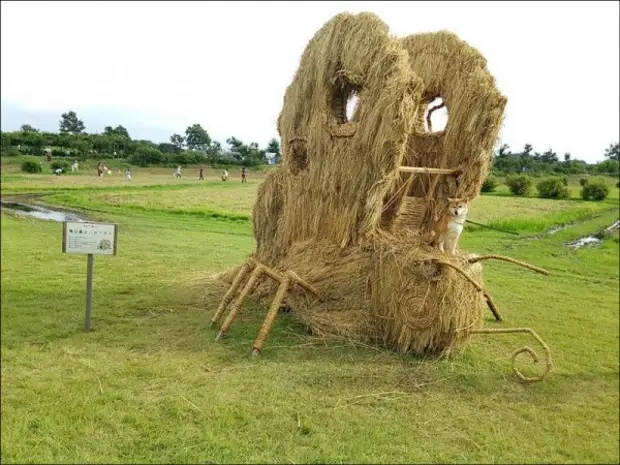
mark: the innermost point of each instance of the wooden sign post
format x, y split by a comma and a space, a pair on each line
89, 239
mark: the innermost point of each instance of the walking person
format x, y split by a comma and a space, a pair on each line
243, 177
201, 175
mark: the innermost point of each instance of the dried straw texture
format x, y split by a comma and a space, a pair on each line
339, 171
340, 214
388, 293
456, 72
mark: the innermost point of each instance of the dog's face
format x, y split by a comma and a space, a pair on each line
457, 207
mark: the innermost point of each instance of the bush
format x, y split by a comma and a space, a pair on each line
10, 152
489, 184
617, 183
595, 191
552, 188
60, 164
263, 168
583, 181
60, 153
565, 180
32, 167
519, 184
144, 156
35, 151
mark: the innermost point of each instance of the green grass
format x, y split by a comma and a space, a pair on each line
150, 384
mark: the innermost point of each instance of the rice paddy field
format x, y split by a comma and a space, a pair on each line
151, 385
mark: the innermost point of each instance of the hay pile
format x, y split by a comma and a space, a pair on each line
340, 213
396, 295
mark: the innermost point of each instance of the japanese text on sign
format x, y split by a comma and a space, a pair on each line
89, 238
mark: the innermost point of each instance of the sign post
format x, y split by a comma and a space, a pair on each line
89, 239
90, 261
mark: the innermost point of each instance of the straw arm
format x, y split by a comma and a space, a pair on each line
462, 273
304, 284
509, 260
528, 350
479, 288
492, 227
424, 170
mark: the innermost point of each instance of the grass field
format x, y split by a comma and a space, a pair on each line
151, 385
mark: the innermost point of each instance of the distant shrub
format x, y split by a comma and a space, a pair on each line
519, 184
583, 181
261, 168
60, 153
552, 188
595, 191
145, 156
489, 184
32, 167
565, 180
36, 151
617, 183
10, 152
60, 164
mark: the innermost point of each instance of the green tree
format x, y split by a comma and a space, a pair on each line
527, 150
197, 138
5, 140
167, 147
549, 157
274, 147
567, 157
102, 143
214, 152
28, 128
145, 155
117, 131
237, 148
613, 152
70, 123
177, 140
503, 150
33, 142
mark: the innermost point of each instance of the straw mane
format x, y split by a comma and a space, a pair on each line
457, 73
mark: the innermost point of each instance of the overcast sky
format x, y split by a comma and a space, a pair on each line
157, 67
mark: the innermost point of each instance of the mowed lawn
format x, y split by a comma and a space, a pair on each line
150, 384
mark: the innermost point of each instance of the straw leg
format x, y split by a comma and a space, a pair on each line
494, 310
245, 269
239, 301
271, 316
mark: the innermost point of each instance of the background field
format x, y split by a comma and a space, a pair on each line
151, 385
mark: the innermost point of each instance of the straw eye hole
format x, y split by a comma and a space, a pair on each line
345, 101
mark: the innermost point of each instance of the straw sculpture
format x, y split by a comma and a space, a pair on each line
342, 224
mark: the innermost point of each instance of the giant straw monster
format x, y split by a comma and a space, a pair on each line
342, 224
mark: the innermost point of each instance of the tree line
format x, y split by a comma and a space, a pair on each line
195, 146
529, 161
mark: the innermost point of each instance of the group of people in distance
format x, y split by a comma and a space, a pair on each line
102, 170
225, 177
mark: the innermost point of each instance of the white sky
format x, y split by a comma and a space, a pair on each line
157, 67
